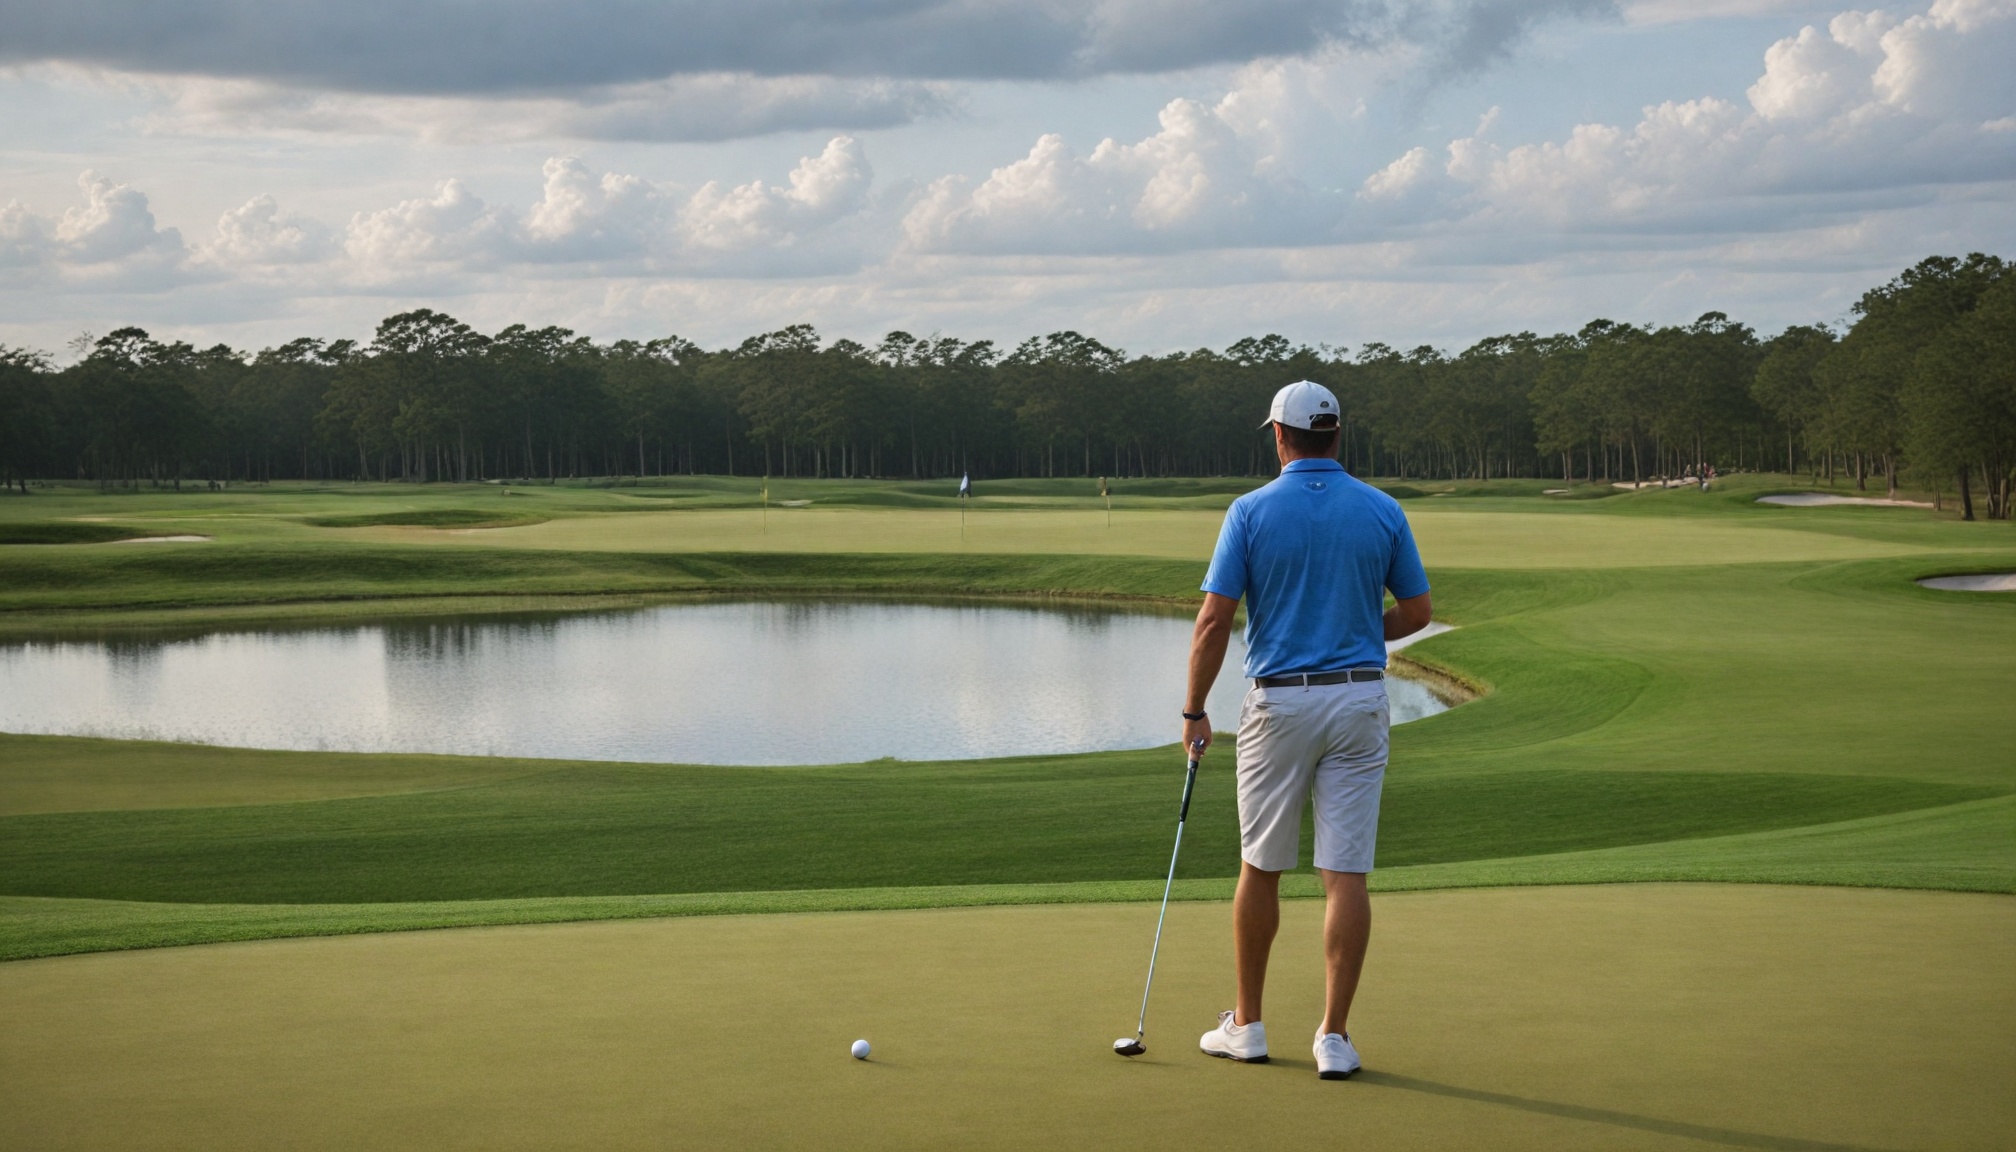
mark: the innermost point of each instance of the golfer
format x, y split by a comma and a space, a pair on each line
1313, 554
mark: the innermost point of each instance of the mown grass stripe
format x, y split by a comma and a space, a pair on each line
1938, 849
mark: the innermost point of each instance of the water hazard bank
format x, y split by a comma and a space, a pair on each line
752, 682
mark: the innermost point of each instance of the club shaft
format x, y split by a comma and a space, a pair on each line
1182, 817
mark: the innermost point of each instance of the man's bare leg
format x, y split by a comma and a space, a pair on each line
1256, 917
1347, 929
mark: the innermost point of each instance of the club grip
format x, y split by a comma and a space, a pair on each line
1189, 786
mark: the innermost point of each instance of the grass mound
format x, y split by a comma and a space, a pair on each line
268, 574
428, 518
65, 532
611, 829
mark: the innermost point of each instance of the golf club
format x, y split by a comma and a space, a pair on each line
1134, 1046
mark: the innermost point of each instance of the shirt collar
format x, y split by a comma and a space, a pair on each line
1312, 464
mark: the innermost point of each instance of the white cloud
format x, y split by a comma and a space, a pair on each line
114, 223
25, 238
1203, 180
822, 189
1872, 105
1866, 141
453, 225
582, 216
621, 223
258, 232
109, 241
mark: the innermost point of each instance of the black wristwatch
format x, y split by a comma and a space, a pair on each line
1195, 715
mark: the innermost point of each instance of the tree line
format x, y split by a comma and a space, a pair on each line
1921, 384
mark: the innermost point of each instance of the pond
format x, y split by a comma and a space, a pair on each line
792, 682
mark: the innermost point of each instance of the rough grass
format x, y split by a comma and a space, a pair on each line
66, 532
623, 830
428, 518
34, 584
1964, 848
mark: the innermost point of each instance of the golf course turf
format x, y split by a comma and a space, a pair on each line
1618, 1017
1674, 686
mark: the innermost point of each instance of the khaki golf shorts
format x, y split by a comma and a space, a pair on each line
1326, 741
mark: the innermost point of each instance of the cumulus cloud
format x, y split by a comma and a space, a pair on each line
258, 232
108, 240
822, 189
1202, 180
519, 46
1873, 108
453, 225
1872, 105
616, 220
1865, 141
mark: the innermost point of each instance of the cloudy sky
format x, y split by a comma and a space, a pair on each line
1159, 173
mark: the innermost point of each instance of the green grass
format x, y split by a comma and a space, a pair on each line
428, 518
35, 584
65, 532
1678, 686
1563, 1019
1964, 848
633, 830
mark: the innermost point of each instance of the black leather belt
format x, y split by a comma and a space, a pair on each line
1347, 676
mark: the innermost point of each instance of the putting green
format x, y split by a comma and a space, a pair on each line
1454, 539
1563, 1018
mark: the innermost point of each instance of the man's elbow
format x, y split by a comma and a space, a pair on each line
1415, 612
1217, 614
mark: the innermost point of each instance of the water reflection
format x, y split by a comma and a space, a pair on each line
792, 682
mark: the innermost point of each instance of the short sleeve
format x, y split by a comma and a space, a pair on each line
1227, 574
1405, 577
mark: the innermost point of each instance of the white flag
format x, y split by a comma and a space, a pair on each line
965, 485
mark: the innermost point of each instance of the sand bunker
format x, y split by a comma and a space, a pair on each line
1816, 499
1983, 582
164, 540
1432, 628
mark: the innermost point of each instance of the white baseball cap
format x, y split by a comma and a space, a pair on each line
1305, 404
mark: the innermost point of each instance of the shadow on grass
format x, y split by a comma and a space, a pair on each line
1725, 1136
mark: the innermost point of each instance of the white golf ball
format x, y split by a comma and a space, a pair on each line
860, 1049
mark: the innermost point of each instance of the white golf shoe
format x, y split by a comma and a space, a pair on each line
1246, 1043
1336, 1059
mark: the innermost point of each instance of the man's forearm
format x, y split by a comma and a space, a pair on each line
1408, 616
1207, 648
1207, 656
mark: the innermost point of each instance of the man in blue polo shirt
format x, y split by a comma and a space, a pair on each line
1313, 554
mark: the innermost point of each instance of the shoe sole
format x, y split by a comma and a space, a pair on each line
1337, 1075
1236, 1059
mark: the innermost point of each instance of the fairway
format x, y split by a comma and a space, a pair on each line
1456, 539
1567, 1018
1669, 689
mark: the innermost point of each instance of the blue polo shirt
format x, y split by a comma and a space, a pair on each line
1313, 553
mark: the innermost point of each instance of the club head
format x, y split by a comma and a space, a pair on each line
1129, 1046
